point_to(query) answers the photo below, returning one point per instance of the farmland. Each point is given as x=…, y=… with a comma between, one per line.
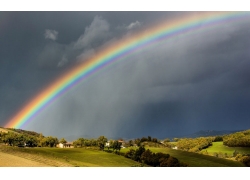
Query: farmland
x=218, y=147
x=69, y=157
x=28, y=148
x=195, y=159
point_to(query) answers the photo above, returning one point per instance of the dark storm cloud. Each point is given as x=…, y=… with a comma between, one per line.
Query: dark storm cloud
x=95, y=35
x=177, y=86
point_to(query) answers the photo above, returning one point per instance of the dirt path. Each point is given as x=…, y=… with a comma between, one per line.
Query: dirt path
x=8, y=160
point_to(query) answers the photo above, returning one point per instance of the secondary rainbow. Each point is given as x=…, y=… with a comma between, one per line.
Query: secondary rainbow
x=114, y=53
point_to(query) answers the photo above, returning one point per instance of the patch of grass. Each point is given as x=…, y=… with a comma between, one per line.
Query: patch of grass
x=219, y=147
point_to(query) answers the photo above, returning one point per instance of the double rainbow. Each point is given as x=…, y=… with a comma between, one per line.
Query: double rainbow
x=112, y=54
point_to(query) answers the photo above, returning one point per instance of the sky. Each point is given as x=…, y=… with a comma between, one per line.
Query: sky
x=194, y=81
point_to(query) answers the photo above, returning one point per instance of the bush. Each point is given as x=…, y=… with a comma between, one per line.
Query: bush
x=218, y=138
x=153, y=159
x=170, y=162
x=246, y=160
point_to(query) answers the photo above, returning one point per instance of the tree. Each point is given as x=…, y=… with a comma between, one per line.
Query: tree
x=79, y=142
x=155, y=140
x=9, y=139
x=130, y=142
x=149, y=138
x=218, y=138
x=146, y=157
x=82, y=142
x=116, y=145
x=101, y=142
x=111, y=143
x=63, y=141
x=143, y=139
x=93, y=142
x=87, y=142
x=50, y=141
x=138, y=153
x=166, y=140
x=176, y=139
x=40, y=140
x=170, y=162
x=2, y=135
x=31, y=141
x=130, y=154
x=137, y=142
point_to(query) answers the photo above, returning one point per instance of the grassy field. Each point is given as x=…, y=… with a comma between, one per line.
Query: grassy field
x=94, y=158
x=218, y=147
x=73, y=157
x=195, y=159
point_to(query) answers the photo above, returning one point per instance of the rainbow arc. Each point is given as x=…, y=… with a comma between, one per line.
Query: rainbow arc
x=113, y=53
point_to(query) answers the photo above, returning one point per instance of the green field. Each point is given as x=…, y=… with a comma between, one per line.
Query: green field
x=218, y=147
x=93, y=158
x=78, y=156
x=195, y=159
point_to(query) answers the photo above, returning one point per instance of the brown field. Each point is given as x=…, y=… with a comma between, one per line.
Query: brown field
x=10, y=158
x=3, y=130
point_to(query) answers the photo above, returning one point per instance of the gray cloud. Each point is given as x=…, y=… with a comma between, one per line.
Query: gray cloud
x=51, y=34
x=62, y=62
x=87, y=54
x=134, y=25
x=51, y=55
x=95, y=33
x=58, y=55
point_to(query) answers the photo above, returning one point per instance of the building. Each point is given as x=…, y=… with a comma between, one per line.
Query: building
x=65, y=145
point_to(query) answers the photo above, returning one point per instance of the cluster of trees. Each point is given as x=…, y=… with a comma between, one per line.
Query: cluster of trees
x=141, y=141
x=149, y=139
x=115, y=145
x=82, y=142
x=195, y=144
x=100, y=142
x=23, y=139
x=238, y=139
x=153, y=159
x=17, y=139
x=245, y=159
x=48, y=141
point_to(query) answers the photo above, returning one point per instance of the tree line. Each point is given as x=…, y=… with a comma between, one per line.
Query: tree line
x=194, y=144
x=238, y=139
x=21, y=140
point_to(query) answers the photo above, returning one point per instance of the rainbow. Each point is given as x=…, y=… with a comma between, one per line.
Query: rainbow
x=115, y=52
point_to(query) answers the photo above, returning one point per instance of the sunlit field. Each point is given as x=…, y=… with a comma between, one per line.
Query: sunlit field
x=195, y=159
x=218, y=147
x=74, y=156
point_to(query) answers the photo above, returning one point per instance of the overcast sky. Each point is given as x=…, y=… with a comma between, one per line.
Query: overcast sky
x=195, y=81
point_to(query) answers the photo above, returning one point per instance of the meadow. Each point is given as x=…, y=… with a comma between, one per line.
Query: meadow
x=71, y=157
x=90, y=155
x=83, y=157
x=195, y=159
x=218, y=147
